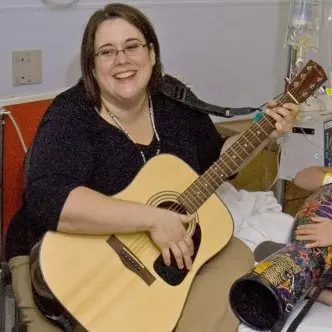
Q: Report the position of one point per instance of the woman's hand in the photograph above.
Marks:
(320, 233)
(169, 234)
(284, 116)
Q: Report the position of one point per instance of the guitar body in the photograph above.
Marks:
(110, 283)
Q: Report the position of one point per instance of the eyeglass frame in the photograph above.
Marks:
(116, 51)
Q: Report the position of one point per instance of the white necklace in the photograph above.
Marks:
(116, 120)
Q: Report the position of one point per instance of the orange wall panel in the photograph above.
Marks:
(27, 116)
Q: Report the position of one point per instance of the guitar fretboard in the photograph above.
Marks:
(303, 85)
(201, 189)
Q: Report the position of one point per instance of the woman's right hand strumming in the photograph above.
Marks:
(169, 234)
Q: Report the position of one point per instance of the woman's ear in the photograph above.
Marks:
(152, 54)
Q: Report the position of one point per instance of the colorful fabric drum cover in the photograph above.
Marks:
(279, 283)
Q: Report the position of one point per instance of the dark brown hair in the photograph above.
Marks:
(138, 20)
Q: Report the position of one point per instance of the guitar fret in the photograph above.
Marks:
(207, 173)
(204, 184)
(259, 133)
(254, 137)
(230, 158)
(199, 190)
(236, 156)
(253, 147)
(216, 169)
(195, 198)
(269, 123)
(225, 163)
(243, 149)
(261, 128)
(221, 163)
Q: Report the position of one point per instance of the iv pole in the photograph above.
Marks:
(303, 12)
(281, 183)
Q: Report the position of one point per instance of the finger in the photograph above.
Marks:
(190, 244)
(273, 114)
(185, 254)
(306, 237)
(282, 127)
(166, 256)
(320, 219)
(177, 253)
(274, 135)
(285, 113)
(306, 231)
(312, 245)
(285, 119)
(292, 107)
(186, 218)
(272, 103)
(307, 226)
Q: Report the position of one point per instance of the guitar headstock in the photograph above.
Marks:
(306, 82)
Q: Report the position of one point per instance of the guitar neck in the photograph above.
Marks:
(302, 86)
(200, 190)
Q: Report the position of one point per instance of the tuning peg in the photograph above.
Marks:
(307, 103)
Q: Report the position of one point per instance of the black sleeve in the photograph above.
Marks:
(60, 161)
(209, 141)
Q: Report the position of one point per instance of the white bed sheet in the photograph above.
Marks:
(257, 217)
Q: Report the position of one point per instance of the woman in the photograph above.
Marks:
(91, 143)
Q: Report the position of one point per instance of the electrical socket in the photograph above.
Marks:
(27, 67)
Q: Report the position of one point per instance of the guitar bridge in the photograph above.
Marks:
(130, 261)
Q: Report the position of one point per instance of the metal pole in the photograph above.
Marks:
(3, 272)
(291, 71)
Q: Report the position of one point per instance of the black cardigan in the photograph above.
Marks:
(74, 147)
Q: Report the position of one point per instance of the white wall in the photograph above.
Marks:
(231, 51)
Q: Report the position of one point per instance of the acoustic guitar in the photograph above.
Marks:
(118, 282)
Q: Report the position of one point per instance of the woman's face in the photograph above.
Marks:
(122, 77)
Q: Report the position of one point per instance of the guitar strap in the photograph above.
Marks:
(322, 284)
(178, 91)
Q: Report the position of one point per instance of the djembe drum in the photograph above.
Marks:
(269, 293)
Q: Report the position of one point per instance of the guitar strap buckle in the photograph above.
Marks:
(178, 91)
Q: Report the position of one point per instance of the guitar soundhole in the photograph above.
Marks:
(172, 274)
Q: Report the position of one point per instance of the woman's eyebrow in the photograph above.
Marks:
(126, 41)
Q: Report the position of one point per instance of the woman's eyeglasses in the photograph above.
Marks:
(111, 53)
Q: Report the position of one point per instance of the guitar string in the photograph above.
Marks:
(264, 124)
(141, 247)
(137, 243)
(140, 243)
(143, 240)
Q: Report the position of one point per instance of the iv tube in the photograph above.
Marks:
(304, 24)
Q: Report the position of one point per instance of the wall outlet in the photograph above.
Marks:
(27, 67)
